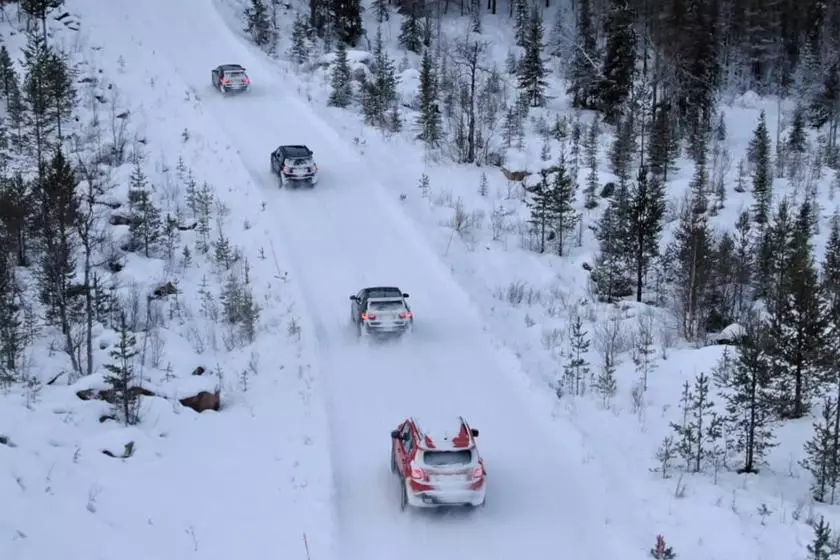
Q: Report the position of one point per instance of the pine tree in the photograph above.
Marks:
(299, 50)
(662, 145)
(619, 59)
(380, 92)
(258, 23)
(590, 150)
(762, 178)
(691, 251)
(577, 370)
(822, 453)
(36, 93)
(429, 118)
(380, 8)
(40, 10)
(821, 548)
(122, 380)
(584, 71)
(532, 71)
(564, 216)
(411, 30)
(346, 20)
(749, 399)
(646, 211)
(622, 150)
(701, 430)
(521, 22)
(830, 291)
(797, 324)
(611, 267)
(60, 89)
(542, 209)
(341, 80)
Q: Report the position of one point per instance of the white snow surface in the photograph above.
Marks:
(304, 453)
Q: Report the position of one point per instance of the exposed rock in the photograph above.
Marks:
(199, 370)
(608, 190)
(120, 219)
(587, 267)
(188, 227)
(164, 290)
(108, 395)
(128, 451)
(105, 418)
(203, 401)
(4, 440)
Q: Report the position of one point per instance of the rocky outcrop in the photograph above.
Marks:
(109, 396)
(203, 401)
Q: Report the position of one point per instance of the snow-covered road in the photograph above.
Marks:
(348, 233)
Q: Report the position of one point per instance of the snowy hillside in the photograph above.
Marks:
(210, 287)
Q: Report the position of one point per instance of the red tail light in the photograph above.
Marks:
(287, 169)
(225, 81)
(406, 315)
(417, 473)
(477, 473)
(368, 317)
(246, 81)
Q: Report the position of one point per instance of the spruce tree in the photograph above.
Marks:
(532, 71)
(662, 145)
(121, 378)
(429, 119)
(258, 23)
(590, 149)
(702, 428)
(797, 324)
(577, 371)
(521, 22)
(622, 150)
(380, 91)
(411, 30)
(341, 80)
(822, 453)
(749, 398)
(646, 211)
(691, 251)
(762, 177)
(822, 547)
(564, 216)
(830, 291)
(299, 49)
(346, 20)
(584, 71)
(619, 59)
(611, 267)
(542, 208)
(36, 93)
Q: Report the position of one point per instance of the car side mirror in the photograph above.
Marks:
(405, 295)
(474, 432)
(353, 298)
(395, 434)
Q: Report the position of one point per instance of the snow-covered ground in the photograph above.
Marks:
(298, 455)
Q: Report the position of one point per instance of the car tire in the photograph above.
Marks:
(403, 495)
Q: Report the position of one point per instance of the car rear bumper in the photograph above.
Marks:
(442, 497)
(387, 328)
(306, 177)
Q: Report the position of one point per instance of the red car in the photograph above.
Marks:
(438, 464)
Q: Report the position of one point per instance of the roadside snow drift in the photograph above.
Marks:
(342, 235)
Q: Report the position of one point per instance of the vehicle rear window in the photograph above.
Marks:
(447, 458)
(385, 306)
(301, 161)
(235, 74)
